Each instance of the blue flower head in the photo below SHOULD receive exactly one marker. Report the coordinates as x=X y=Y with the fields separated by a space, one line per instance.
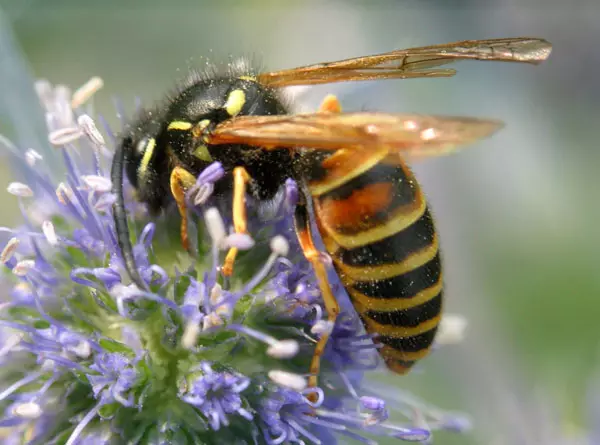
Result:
x=89 y=358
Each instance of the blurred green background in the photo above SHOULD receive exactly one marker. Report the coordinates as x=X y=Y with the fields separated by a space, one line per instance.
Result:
x=517 y=214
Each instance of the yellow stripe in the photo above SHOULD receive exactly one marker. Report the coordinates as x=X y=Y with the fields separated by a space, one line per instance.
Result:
x=201 y=152
x=148 y=151
x=248 y=78
x=179 y=125
x=351 y=274
x=330 y=245
x=400 y=331
x=401 y=218
x=364 y=303
x=389 y=352
x=235 y=102
x=345 y=165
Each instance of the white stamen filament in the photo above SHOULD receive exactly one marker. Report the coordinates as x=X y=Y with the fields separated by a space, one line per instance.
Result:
x=288 y=379
x=451 y=330
x=49 y=233
x=216 y=293
x=203 y=193
x=211 y=320
x=322 y=327
x=9 y=343
x=279 y=245
x=104 y=203
x=86 y=91
x=83 y=349
x=223 y=310
x=9 y=250
x=286 y=348
x=88 y=126
x=215 y=226
x=64 y=136
x=190 y=334
x=19 y=189
x=270 y=295
x=43 y=88
x=64 y=193
x=86 y=419
x=48 y=365
x=97 y=183
x=62 y=93
x=32 y=156
x=19 y=384
x=242 y=241
x=283 y=349
x=23 y=267
x=28 y=410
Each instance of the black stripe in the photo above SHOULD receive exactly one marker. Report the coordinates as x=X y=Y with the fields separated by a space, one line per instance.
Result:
x=404 y=188
x=408 y=317
x=393 y=249
x=406 y=285
x=415 y=343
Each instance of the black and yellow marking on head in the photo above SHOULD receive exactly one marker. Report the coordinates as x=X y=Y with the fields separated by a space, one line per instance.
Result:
x=147 y=153
x=235 y=102
x=201 y=152
x=180 y=126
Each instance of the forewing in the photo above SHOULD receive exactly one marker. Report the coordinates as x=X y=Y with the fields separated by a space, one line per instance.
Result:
x=412 y=63
x=411 y=135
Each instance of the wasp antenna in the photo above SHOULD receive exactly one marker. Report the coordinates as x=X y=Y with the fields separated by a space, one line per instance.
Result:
x=120 y=216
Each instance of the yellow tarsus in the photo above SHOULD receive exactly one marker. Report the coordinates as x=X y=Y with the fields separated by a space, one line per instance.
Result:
x=181 y=180
x=240 y=181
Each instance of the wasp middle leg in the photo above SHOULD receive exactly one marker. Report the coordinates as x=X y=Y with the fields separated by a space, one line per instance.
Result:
x=181 y=181
x=241 y=178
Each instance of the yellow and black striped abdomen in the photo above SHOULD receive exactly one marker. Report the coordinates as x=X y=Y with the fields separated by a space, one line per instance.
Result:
x=380 y=234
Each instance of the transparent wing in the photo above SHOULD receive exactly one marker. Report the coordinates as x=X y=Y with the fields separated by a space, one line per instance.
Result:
x=413 y=63
x=412 y=135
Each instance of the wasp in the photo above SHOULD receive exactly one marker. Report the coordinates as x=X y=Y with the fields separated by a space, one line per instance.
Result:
x=351 y=169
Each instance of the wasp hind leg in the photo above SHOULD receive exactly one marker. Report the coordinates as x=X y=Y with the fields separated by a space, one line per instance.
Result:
x=330 y=104
x=241 y=178
x=181 y=181
x=314 y=256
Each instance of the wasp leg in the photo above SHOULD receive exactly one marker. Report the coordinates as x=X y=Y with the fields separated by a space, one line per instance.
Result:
x=240 y=181
x=181 y=181
x=302 y=224
x=330 y=104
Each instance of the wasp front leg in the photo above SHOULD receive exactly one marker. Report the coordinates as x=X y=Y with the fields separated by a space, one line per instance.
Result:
x=181 y=181
x=314 y=256
x=241 y=178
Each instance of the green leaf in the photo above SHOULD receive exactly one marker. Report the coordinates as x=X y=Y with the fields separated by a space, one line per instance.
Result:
x=109 y=410
x=115 y=346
